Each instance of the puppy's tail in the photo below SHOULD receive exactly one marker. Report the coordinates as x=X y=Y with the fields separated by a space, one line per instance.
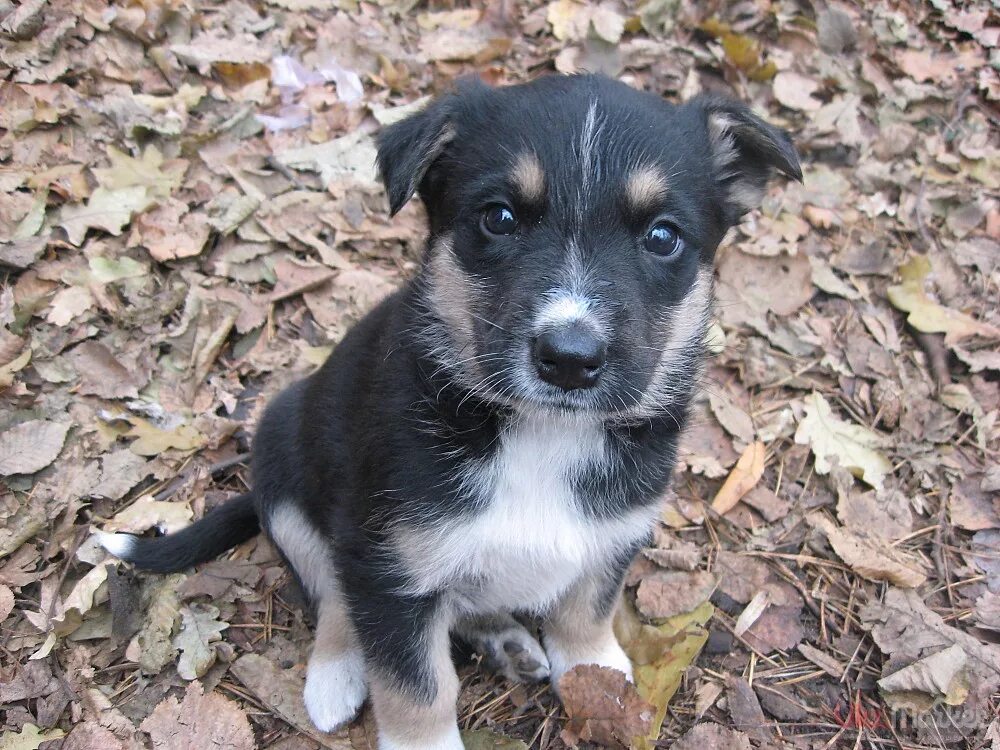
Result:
x=231 y=523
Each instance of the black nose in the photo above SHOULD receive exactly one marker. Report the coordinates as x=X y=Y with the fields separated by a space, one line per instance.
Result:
x=570 y=357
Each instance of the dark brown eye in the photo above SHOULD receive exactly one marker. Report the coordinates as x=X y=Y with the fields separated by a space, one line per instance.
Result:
x=499 y=220
x=662 y=239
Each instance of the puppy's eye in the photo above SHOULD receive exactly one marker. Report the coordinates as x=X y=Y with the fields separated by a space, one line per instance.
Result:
x=499 y=220
x=662 y=239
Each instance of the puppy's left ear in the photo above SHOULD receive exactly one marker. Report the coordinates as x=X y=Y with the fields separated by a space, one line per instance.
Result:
x=746 y=151
x=407 y=149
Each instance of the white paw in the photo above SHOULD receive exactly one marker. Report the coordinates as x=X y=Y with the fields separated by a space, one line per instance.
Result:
x=335 y=690
x=608 y=655
x=514 y=653
x=450 y=740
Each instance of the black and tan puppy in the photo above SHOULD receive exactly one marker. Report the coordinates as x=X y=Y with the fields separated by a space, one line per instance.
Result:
x=494 y=438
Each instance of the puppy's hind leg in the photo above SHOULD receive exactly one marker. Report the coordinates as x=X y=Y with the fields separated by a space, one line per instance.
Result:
x=336 y=684
x=507 y=647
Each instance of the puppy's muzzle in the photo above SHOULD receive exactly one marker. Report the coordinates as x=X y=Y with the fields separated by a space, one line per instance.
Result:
x=570 y=357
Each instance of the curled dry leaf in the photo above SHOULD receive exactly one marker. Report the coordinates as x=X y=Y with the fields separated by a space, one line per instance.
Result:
x=603 y=707
x=743 y=478
x=871 y=556
x=940 y=677
x=31 y=446
x=909 y=631
x=199 y=721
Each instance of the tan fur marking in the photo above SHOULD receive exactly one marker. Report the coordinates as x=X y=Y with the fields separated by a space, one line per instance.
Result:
x=528 y=176
x=406 y=721
x=451 y=296
x=334 y=631
x=645 y=188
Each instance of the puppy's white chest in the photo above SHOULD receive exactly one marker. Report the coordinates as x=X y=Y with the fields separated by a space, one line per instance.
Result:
x=531 y=541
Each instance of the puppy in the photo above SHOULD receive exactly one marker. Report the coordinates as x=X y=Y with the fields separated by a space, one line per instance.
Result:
x=494 y=438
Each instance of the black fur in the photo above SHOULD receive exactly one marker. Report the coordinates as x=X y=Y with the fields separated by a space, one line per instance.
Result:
x=382 y=432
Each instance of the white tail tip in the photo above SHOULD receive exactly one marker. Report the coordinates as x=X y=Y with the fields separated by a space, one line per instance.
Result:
x=119 y=545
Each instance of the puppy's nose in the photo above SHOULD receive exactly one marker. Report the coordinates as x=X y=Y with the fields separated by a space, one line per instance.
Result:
x=570 y=357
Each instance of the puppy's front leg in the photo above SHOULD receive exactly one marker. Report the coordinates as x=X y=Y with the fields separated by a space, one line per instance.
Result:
x=578 y=629
x=414 y=687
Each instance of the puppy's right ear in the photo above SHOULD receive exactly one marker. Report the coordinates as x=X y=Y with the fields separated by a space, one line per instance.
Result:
x=407 y=149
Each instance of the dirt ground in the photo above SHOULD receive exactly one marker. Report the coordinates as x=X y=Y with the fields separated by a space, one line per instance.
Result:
x=190 y=220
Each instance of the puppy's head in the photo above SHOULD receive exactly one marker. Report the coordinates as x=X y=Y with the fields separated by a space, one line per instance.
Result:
x=573 y=225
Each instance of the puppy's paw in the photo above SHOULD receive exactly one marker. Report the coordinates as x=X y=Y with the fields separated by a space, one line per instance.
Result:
x=335 y=690
x=514 y=653
x=523 y=658
x=609 y=655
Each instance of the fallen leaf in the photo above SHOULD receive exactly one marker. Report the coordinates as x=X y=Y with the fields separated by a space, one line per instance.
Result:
x=795 y=91
x=102 y=374
x=484 y=739
x=200 y=721
x=940 y=677
x=152 y=441
x=147 y=512
x=29 y=738
x=107 y=209
x=6 y=602
x=603 y=707
x=853 y=447
x=660 y=654
x=927 y=315
x=743 y=478
x=200 y=628
x=907 y=629
x=710 y=736
x=31 y=446
x=779 y=628
x=153 y=646
x=872 y=556
x=669 y=593
x=745 y=710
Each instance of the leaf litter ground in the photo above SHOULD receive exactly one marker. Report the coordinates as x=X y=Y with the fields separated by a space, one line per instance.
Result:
x=191 y=220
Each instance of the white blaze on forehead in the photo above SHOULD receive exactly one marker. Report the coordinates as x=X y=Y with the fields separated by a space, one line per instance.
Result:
x=589 y=159
x=563 y=308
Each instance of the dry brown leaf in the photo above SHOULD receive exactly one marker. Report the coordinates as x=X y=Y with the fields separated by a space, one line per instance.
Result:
x=743 y=478
x=281 y=691
x=103 y=374
x=871 y=556
x=795 y=91
x=147 y=512
x=714 y=736
x=603 y=707
x=940 y=677
x=199 y=721
x=745 y=710
x=908 y=630
x=31 y=446
x=670 y=593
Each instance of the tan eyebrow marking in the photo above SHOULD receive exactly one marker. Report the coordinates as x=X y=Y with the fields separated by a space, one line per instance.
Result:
x=528 y=176
x=645 y=187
